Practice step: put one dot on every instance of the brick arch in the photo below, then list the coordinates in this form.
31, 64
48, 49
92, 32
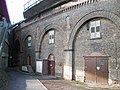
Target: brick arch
51, 55
96, 14
17, 50
56, 28
25, 36
29, 59
18, 40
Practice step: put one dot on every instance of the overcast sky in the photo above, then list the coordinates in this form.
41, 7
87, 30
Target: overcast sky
15, 9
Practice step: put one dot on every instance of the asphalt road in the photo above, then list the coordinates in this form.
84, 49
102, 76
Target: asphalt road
22, 81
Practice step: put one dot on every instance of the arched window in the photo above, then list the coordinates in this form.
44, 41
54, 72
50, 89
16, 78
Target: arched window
51, 57
95, 29
29, 41
51, 37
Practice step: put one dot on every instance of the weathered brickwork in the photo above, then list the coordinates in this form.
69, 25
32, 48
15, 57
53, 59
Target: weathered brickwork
72, 37
85, 46
57, 49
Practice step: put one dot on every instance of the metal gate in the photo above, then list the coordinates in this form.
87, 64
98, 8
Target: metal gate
96, 69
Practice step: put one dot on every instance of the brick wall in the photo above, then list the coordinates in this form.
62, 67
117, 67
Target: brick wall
73, 37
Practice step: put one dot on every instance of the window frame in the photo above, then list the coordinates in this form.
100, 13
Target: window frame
51, 36
29, 41
29, 38
96, 34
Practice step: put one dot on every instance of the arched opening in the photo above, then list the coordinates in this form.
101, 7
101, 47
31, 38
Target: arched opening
29, 61
83, 45
111, 48
51, 64
47, 47
16, 56
58, 30
28, 55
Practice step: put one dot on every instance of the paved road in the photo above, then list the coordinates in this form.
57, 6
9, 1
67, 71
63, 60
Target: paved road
21, 81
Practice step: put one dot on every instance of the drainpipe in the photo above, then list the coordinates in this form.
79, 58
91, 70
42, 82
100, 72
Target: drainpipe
116, 55
116, 62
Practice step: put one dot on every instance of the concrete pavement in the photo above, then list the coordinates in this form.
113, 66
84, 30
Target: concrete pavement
22, 81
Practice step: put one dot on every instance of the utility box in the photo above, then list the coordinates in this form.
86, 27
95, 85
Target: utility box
42, 66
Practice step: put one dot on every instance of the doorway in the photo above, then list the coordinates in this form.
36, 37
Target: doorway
29, 62
15, 58
51, 64
96, 69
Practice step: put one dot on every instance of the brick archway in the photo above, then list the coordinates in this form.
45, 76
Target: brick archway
46, 29
24, 38
16, 56
97, 14
51, 64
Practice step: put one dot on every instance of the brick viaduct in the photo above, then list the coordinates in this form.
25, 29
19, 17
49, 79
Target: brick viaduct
67, 23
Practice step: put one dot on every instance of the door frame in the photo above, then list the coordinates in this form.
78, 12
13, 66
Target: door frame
51, 64
29, 60
97, 72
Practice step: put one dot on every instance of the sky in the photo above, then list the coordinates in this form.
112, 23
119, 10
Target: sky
15, 10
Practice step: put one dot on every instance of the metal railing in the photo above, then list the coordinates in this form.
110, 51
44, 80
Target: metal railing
62, 9
31, 3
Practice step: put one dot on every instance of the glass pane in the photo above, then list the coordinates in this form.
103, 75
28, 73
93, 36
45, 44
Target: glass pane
52, 40
51, 57
49, 33
52, 36
92, 29
49, 41
97, 34
98, 23
29, 44
97, 29
92, 24
29, 38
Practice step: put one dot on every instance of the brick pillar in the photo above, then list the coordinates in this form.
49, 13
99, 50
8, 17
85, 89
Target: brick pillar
68, 65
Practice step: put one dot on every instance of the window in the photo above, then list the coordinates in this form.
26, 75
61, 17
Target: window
29, 39
95, 29
51, 37
29, 44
